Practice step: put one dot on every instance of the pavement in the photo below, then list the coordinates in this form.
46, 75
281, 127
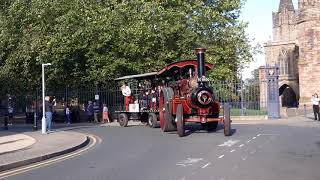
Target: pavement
20, 146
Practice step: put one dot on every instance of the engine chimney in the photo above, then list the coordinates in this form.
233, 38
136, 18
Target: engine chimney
201, 64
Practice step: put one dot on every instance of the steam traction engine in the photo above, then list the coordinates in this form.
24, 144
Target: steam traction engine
191, 99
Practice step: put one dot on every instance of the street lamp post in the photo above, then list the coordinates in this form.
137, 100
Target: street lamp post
43, 120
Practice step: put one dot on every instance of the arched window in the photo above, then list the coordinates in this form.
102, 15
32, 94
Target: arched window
283, 62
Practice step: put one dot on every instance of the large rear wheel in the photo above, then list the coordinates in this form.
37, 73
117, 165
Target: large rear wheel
227, 120
180, 121
123, 119
165, 108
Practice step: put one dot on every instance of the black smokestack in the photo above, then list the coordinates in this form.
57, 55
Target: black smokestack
201, 63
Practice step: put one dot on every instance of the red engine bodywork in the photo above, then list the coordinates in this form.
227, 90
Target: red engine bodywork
182, 95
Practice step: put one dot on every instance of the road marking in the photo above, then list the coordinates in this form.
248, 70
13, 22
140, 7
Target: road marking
254, 137
184, 165
220, 156
248, 141
229, 143
241, 145
270, 134
49, 161
233, 150
252, 152
259, 135
208, 164
189, 162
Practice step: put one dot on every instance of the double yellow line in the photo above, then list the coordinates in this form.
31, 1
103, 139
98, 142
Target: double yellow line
23, 169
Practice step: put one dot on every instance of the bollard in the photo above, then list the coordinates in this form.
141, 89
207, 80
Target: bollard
6, 123
305, 110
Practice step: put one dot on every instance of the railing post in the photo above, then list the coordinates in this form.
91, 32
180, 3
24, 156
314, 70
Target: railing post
35, 122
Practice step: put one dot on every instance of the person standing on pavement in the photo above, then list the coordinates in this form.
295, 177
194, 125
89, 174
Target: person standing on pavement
315, 104
48, 110
68, 112
90, 111
96, 110
105, 115
10, 115
54, 107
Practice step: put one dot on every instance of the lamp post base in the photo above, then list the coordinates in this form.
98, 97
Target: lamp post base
44, 126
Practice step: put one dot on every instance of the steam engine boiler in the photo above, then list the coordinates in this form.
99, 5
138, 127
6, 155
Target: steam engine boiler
191, 99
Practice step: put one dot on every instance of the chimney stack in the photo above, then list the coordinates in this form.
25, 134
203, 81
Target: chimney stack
201, 62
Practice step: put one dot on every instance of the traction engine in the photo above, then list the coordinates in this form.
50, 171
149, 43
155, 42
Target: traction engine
192, 100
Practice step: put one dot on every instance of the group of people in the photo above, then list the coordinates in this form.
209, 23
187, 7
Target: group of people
93, 111
147, 99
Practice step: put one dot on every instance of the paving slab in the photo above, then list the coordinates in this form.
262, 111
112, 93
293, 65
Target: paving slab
15, 142
45, 146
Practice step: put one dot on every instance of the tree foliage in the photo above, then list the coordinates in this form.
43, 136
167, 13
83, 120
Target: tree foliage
91, 41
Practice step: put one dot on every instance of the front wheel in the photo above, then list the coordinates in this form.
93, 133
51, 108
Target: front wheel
153, 120
123, 120
227, 120
180, 121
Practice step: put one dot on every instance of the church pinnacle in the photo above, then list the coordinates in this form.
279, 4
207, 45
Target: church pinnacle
286, 5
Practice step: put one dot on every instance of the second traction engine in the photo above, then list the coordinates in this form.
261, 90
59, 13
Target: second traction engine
191, 100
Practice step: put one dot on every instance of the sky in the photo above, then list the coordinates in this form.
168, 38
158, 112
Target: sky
258, 13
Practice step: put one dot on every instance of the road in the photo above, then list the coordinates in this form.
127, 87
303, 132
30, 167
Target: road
255, 151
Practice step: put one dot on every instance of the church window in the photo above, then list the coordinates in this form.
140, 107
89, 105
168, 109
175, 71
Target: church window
283, 63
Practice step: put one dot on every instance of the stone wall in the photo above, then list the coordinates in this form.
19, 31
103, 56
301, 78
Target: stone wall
309, 45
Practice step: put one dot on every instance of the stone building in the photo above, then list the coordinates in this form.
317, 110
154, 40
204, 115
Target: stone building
295, 49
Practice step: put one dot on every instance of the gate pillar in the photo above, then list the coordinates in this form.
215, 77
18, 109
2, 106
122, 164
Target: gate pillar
273, 102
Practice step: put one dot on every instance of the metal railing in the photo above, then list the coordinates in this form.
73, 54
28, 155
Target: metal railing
244, 98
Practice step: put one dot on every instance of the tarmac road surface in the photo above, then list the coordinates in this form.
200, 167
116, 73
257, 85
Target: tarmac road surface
255, 151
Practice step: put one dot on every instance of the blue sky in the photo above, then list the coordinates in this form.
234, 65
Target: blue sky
258, 13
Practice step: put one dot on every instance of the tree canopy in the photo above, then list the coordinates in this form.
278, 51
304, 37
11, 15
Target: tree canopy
90, 42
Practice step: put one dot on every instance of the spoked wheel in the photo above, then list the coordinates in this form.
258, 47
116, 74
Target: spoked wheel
144, 118
165, 107
180, 121
227, 120
153, 120
123, 120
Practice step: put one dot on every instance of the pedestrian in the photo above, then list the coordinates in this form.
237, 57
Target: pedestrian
96, 110
90, 111
68, 112
48, 113
10, 115
105, 115
153, 103
315, 103
54, 107
126, 92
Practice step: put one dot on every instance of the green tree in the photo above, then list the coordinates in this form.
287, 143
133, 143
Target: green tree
89, 42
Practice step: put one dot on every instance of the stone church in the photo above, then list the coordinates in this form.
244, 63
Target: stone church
295, 49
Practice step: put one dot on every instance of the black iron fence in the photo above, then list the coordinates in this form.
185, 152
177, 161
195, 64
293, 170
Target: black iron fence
245, 99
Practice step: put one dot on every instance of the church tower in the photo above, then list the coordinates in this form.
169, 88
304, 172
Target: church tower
309, 48
284, 22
